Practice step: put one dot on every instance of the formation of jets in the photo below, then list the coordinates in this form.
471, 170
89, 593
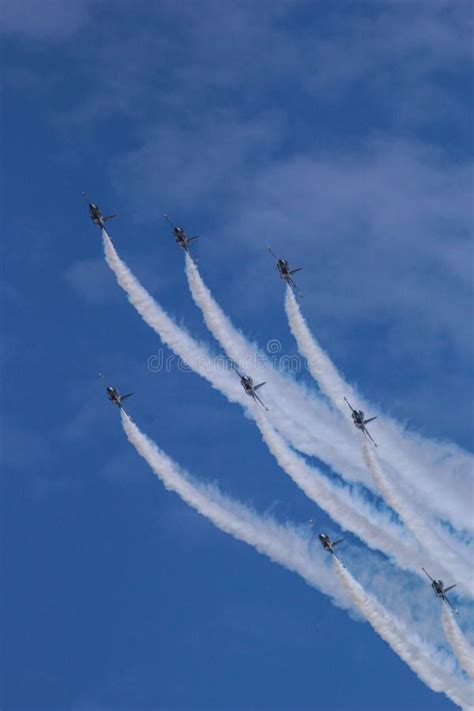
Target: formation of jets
358, 416
438, 585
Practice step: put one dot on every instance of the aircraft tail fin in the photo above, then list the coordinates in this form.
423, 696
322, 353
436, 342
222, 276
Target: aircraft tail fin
371, 419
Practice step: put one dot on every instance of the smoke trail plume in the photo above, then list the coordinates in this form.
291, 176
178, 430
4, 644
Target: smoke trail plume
407, 645
193, 354
303, 419
344, 506
459, 644
287, 408
425, 533
202, 362
449, 492
348, 509
282, 544
199, 358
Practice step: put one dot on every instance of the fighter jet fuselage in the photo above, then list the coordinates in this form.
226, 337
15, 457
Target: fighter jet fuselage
285, 273
358, 418
328, 544
250, 389
180, 236
182, 240
438, 587
115, 397
359, 421
440, 591
96, 215
247, 384
283, 268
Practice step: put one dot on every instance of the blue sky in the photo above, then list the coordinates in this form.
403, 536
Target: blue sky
341, 134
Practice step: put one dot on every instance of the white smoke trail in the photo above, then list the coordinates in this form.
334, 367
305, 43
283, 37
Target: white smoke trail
193, 354
199, 358
295, 417
449, 560
426, 663
459, 644
283, 545
290, 404
440, 472
346, 507
214, 370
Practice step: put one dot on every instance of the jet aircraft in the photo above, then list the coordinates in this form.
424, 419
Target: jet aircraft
250, 388
359, 422
285, 273
115, 397
440, 591
327, 544
326, 541
180, 236
96, 215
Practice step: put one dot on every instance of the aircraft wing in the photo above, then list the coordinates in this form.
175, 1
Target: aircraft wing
371, 419
255, 397
294, 288
337, 542
366, 432
256, 387
272, 253
190, 239
349, 404
124, 397
450, 588
293, 271
109, 217
448, 602
428, 575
